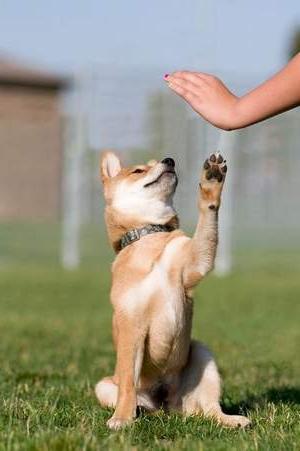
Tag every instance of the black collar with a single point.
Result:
(135, 234)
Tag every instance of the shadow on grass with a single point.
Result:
(281, 395)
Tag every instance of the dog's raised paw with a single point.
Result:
(215, 167)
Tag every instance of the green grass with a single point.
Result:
(55, 344)
(32, 243)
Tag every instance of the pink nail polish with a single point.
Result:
(166, 75)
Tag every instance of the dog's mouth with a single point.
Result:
(166, 172)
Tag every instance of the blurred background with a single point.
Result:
(77, 77)
(80, 76)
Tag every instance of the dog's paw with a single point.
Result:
(237, 421)
(118, 423)
(212, 180)
(215, 168)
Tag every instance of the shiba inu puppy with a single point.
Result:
(155, 270)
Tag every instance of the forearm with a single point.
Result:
(200, 251)
(278, 94)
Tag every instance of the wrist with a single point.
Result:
(247, 110)
(235, 114)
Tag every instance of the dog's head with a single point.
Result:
(140, 194)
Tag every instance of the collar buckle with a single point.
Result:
(133, 235)
(129, 237)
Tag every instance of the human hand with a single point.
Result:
(207, 95)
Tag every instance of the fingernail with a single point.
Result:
(166, 76)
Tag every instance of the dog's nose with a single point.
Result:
(169, 162)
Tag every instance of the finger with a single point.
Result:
(181, 73)
(187, 76)
(186, 94)
(196, 77)
(185, 84)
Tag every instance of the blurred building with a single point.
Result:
(31, 147)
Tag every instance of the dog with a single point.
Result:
(157, 266)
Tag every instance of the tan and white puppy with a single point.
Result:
(158, 365)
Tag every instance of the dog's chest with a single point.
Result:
(158, 303)
(169, 332)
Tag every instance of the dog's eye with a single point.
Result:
(137, 171)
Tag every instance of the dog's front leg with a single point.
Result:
(130, 348)
(201, 250)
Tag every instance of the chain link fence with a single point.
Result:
(134, 114)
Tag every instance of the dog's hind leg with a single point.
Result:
(200, 389)
(107, 393)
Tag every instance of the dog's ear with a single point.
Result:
(110, 165)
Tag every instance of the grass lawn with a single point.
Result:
(56, 344)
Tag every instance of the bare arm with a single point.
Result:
(209, 97)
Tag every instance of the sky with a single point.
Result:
(131, 44)
(222, 36)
